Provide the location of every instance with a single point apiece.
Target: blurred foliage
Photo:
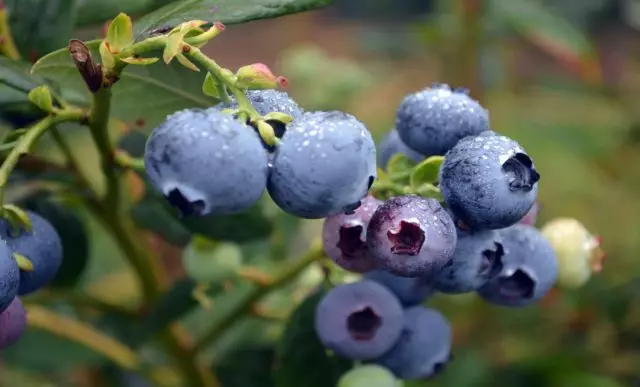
(581, 137)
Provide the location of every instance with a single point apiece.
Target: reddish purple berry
(13, 322)
(345, 235)
(411, 236)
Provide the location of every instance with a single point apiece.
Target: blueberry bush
(227, 168)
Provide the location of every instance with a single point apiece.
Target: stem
(125, 160)
(245, 306)
(98, 124)
(28, 140)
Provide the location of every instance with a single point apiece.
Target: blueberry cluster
(408, 247)
(42, 247)
(209, 162)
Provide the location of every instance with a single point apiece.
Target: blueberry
(9, 276)
(410, 291)
(532, 216)
(529, 268)
(369, 375)
(42, 246)
(267, 101)
(477, 258)
(324, 165)
(359, 321)
(206, 162)
(433, 120)
(411, 236)
(488, 182)
(344, 237)
(13, 322)
(424, 347)
(392, 144)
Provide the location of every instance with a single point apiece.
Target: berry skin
(359, 321)
(424, 347)
(324, 165)
(267, 101)
(488, 182)
(42, 246)
(529, 269)
(411, 236)
(345, 237)
(434, 119)
(9, 276)
(478, 257)
(206, 162)
(410, 291)
(392, 144)
(369, 375)
(13, 322)
(578, 252)
(531, 217)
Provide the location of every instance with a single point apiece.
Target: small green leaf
(209, 86)
(428, 190)
(14, 135)
(23, 262)
(302, 357)
(41, 97)
(399, 163)
(140, 61)
(266, 132)
(107, 58)
(280, 117)
(17, 218)
(173, 47)
(427, 171)
(120, 32)
(187, 63)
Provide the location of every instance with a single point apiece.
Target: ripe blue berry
(488, 182)
(13, 322)
(410, 291)
(424, 347)
(529, 268)
(532, 216)
(433, 120)
(324, 165)
(9, 276)
(41, 245)
(206, 162)
(478, 258)
(345, 237)
(411, 236)
(359, 321)
(392, 144)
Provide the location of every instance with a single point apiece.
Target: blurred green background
(562, 77)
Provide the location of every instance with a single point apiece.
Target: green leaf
(558, 37)
(173, 305)
(247, 226)
(41, 26)
(154, 215)
(427, 171)
(247, 367)
(225, 11)
(41, 97)
(15, 85)
(92, 12)
(302, 356)
(172, 87)
(209, 86)
(73, 235)
(120, 32)
(399, 163)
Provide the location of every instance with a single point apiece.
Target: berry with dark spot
(411, 236)
(410, 291)
(488, 182)
(424, 347)
(478, 258)
(434, 119)
(13, 322)
(324, 165)
(345, 237)
(529, 268)
(9, 276)
(392, 144)
(206, 162)
(42, 246)
(359, 321)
